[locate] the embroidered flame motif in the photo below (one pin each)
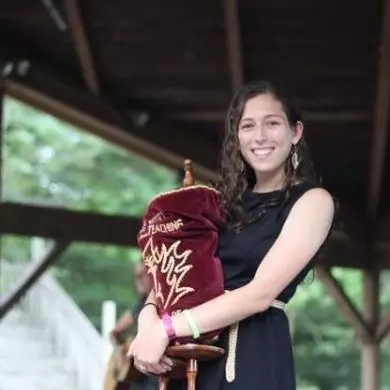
(173, 265)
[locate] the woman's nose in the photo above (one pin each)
(260, 133)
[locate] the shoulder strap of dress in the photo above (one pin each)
(299, 189)
(294, 194)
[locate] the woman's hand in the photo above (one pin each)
(149, 346)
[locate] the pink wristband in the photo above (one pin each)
(167, 321)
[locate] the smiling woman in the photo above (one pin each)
(264, 147)
(278, 219)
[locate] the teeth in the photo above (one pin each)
(262, 152)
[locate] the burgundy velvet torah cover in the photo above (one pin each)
(179, 241)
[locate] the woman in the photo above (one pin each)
(278, 219)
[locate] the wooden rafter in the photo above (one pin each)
(383, 328)
(31, 275)
(1, 140)
(345, 305)
(233, 42)
(161, 142)
(381, 119)
(82, 46)
(310, 116)
(62, 224)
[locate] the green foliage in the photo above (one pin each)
(94, 273)
(15, 249)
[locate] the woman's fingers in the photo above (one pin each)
(153, 368)
(160, 368)
(166, 361)
(156, 369)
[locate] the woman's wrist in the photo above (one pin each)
(148, 310)
(181, 326)
(148, 305)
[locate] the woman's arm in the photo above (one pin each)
(304, 231)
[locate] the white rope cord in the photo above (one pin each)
(230, 367)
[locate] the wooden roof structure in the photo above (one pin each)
(156, 77)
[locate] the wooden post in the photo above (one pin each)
(346, 306)
(1, 158)
(366, 325)
(370, 355)
(383, 328)
(1, 141)
(233, 43)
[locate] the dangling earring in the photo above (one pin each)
(294, 158)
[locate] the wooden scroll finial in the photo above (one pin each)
(188, 173)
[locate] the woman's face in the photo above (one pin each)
(265, 135)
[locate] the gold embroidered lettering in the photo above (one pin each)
(149, 229)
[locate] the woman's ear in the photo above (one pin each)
(298, 132)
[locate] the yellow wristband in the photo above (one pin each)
(192, 324)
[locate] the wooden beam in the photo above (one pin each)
(309, 116)
(383, 328)
(32, 274)
(381, 119)
(347, 252)
(345, 305)
(370, 354)
(82, 46)
(341, 252)
(1, 140)
(61, 224)
(158, 142)
(233, 43)
(56, 223)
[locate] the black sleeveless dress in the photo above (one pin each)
(264, 358)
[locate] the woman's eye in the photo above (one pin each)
(246, 126)
(273, 123)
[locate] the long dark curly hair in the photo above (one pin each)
(236, 176)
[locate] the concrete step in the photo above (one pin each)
(27, 359)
